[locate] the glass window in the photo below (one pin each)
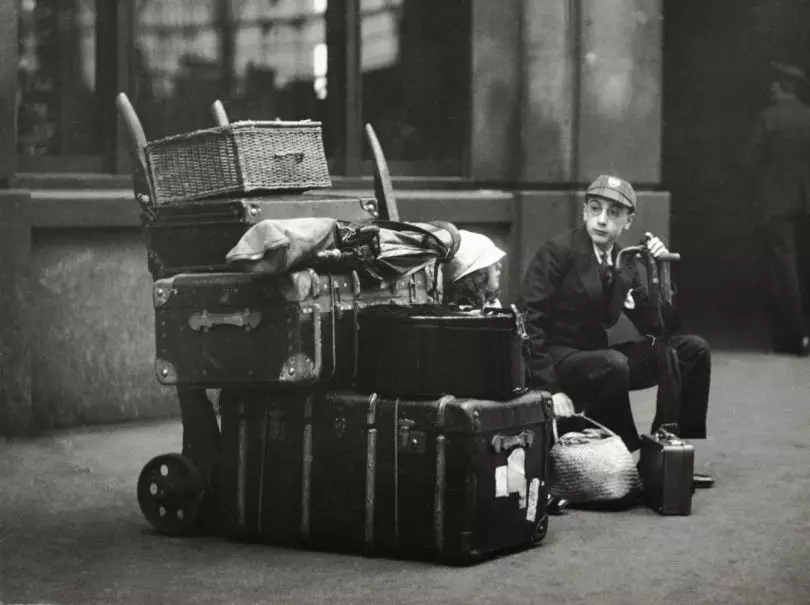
(416, 65)
(264, 59)
(58, 98)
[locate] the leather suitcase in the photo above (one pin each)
(667, 465)
(448, 479)
(430, 350)
(219, 329)
(194, 237)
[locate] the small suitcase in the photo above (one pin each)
(429, 350)
(451, 479)
(195, 237)
(667, 466)
(219, 329)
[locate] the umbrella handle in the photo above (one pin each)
(658, 269)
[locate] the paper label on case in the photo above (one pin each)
(516, 474)
(534, 492)
(501, 487)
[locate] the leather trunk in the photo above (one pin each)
(430, 350)
(219, 329)
(448, 479)
(195, 237)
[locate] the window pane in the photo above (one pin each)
(416, 64)
(58, 112)
(264, 59)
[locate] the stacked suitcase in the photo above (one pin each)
(332, 436)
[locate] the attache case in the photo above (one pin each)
(667, 467)
(450, 479)
(219, 329)
(429, 350)
(195, 237)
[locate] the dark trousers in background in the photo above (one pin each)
(787, 267)
(599, 382)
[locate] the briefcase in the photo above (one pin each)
(218, 329)
(195, 237)
(667, 467)
(430, 350)
(449, 479)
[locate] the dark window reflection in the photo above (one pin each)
(58, 104)
(265, 59)
(416, 64)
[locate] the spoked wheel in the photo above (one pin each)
(170, 490)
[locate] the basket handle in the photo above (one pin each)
(220, 115)
(580, 415)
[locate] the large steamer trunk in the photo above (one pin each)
(448, 478)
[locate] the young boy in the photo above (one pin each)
(571, 297)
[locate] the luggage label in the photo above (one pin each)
(511, 478)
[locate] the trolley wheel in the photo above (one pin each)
(170, 490)
(541, 530)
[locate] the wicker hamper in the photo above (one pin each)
(238, 158)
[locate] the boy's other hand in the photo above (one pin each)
(563, 406)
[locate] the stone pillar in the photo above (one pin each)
(619, 101)
(9, 63)
(16, 331)
(548, 91)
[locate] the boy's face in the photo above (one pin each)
(605, 220)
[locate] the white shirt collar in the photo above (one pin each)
(599, 254)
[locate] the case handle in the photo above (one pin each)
(204, 321)
(501, 443)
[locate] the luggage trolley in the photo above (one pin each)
(433, 435)
(171, 488)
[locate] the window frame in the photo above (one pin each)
(108, 26)
(115, 29)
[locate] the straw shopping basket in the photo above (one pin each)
(592, 466)
(238, 158)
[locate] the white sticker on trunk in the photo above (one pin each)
(534, 492)
(501, 487)
(516, 474)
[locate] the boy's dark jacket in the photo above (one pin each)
(566, 310)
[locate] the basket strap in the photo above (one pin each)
(580, 415)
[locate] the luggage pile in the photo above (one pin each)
(357, 412)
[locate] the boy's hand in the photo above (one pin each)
(655, 245)
(563, 406)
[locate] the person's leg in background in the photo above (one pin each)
(802, 238)
(789, 330)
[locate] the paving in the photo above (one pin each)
(71, 531)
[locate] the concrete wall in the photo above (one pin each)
(94, 346)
